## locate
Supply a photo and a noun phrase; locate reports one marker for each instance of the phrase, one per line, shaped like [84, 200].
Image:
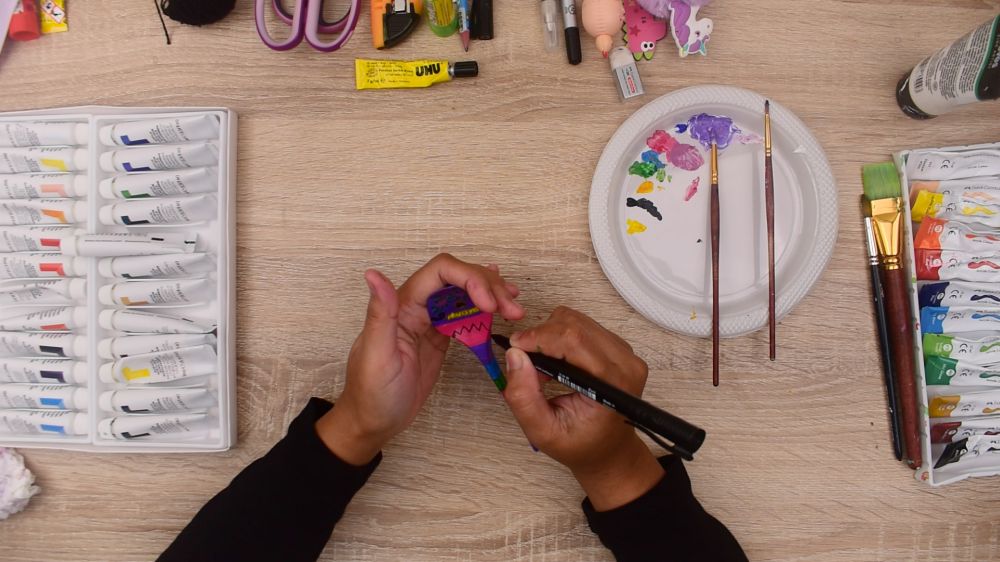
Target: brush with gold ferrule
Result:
[714, 203]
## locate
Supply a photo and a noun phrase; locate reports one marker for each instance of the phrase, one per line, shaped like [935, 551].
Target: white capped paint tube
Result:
[157, 267]
[29, 212]
[165, 366]
[114, 244]
[152, 158]
[949, 165]
[43, 422]
[34, 238]
[166, 130]
[124, 346]
[156, 400]
[50, 319]
[155, 210]
[48, 291]
[35, 160]
[135, 321]
[39, 186]
[42, 370]
[42, 344]
[43, 397]
[157, 293]
[20, 266]
[43, 133]
[176, 427]
[160, 184]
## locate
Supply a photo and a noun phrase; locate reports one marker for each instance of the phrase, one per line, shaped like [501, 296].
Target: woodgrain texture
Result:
[332, 181]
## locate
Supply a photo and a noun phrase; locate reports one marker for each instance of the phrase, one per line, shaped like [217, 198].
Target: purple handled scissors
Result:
[306, 21]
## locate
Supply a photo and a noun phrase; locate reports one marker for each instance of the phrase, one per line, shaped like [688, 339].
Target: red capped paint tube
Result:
[25, 24]
[937, 234]
[951, 431]
[945, 265]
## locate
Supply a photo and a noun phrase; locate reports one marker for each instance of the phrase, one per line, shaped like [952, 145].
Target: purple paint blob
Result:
[705, 128]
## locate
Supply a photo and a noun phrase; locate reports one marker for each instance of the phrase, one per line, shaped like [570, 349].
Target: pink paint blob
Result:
[684, 156]
[692, 189]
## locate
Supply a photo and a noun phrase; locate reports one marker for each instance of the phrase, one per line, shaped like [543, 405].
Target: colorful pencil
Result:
[769, 215]
[464, 23]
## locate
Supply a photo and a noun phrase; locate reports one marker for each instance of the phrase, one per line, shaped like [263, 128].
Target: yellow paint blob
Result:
[645, 187]
[635, 227]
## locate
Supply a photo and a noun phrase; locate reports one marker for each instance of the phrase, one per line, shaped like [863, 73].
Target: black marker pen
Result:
[572, 32]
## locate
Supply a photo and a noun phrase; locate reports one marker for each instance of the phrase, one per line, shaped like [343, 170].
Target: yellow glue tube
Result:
[385, 74]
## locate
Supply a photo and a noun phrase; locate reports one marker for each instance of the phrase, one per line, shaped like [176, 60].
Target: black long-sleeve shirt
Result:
[283, 508]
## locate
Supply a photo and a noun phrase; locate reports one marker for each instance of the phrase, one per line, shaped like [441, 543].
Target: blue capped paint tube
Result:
[43, 397]
[958, 293]
[43, 422]
[167, 130]
[959, 319]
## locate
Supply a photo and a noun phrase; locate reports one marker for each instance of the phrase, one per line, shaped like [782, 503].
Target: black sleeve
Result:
[666, 523]
[281, 507]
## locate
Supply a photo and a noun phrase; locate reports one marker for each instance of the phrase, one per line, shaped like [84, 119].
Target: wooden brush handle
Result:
[715, 283]
[897, 301]
[769, 216]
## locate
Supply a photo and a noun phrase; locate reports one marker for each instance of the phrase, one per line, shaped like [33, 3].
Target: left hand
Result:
[397, 358]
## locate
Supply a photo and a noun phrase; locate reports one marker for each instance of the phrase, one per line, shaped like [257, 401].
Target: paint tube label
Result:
[965, 404]
[157, 267]
[33, 344]
[48, 319]
[42, 397]
[937, 234]
[950, 165]
[984, 351]
[981, 189]
[954, 208]
[43, 422]
[941, 371]
[983, 448]
[155, 427]
[946, 265]
[179, 210]
[39, 186]
[51, 291]
[169, 130]
[959, 319]
[124, 346]
[18, 266]
[958, 293]
[134, 321]
[156, 293]
[160, 184]
[157, 400]
[42, 134]
[117, 244]
[33, 238]
[42, 370]
[951, 431]
[14, 212]
[160, 367]
[42, 159]
[161, 157]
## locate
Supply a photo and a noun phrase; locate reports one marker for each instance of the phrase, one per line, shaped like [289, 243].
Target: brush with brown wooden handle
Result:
[769, 216]
[714, 203]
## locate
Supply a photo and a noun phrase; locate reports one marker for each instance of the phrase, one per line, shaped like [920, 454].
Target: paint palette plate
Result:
[649, 211]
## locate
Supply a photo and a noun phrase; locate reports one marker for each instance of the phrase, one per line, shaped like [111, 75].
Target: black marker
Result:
[572, 32]
[687, 438]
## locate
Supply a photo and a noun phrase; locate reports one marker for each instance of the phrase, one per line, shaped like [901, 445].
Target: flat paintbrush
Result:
[882, 188]
[714, 203]
[769, 216]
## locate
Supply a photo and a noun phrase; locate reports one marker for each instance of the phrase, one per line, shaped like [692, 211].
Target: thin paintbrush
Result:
[715, 262]
[769, 215]
[883, 331]
[882, 188]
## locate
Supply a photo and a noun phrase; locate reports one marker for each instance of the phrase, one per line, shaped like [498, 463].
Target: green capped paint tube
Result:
[984, 351]
[941, 371]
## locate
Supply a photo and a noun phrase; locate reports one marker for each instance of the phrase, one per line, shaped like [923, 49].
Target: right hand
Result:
[604, 453]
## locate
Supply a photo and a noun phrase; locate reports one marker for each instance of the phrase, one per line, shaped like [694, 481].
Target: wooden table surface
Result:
[498, 169]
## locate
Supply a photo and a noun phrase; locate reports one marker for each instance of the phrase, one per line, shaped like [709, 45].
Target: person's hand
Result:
[397, 358]
[605, 455]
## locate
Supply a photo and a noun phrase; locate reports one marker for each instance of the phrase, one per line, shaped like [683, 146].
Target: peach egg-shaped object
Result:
[603, 19]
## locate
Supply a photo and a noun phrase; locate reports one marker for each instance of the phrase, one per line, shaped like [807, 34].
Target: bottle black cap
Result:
[465, 69]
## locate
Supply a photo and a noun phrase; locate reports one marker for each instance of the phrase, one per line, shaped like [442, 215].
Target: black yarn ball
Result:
[197, 12]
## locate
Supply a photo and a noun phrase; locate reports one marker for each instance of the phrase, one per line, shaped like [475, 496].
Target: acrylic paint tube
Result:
[42, 370]
[965, 452]
[28, 212]
[166, 130]
[156, 400]
[156, 427]
[34, 238]
[157, 293]
[125, 346]
[43, 397]
[937, 234]
[161, 157]
[42, 186]
[160, 184]
[134, 321]
[958, 293]
[951, 431]
[43, 422]
[48, 133]
[165, 366]
[157, 267]
[43, 159]
[116, 244]
[950, 207]
[34, 319]
[959, 319]
[966, 71]
[49, 291]
[174, 210]
[941, 371]
[981, 189]
[35, 344]
[973, 403]
[946, 265]
[952, 165]
[982, 351]
[19, 266]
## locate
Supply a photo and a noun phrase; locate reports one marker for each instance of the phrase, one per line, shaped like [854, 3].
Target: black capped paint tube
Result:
[966, 71]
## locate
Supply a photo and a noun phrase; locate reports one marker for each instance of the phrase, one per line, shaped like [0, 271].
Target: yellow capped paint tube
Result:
[386, 74]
